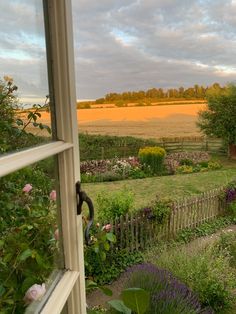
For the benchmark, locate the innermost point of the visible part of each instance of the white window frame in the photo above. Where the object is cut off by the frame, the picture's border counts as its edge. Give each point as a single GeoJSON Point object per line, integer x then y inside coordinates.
{"type": "Point", "coordinates": [70, 288]}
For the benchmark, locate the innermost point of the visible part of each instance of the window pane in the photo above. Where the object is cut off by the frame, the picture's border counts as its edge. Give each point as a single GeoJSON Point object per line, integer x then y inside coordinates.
{"type": "Point", "coordinates": [30, 250]}
{"type": "Point", "coordinates": [24, 93]}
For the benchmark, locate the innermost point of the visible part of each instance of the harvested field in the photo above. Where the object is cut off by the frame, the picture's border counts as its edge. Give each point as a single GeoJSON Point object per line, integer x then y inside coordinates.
{"type": "Point", "coordinates": [147, 122]}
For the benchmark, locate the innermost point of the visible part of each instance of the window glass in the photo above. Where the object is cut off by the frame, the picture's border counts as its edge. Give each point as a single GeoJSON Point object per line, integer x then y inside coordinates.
{"type": "Point", "coordinates": [24, 94]}
{"type": "Point", "coordinates": [30, 248]}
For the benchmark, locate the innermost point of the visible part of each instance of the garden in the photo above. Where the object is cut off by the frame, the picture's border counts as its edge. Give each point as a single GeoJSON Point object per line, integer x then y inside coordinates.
{"type": "Point", "coordinates": [148, 208]}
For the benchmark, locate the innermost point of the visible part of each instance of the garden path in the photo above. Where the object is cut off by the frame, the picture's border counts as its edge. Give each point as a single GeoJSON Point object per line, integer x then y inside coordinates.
{"type": "Point", "coordinates": [98, 298]}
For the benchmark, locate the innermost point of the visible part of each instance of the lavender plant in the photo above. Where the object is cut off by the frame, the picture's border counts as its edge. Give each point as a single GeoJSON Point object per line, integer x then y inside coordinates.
{"type": "Point", "coordinates": [168, 294]}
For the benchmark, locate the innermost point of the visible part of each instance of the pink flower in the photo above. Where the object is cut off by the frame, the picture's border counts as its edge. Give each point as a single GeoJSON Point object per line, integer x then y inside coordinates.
{"type": "Point", "coordinates": [34, 293]}
{"type": "Point", "coordinates": [27, 188]}
{"type": "Point", "coordinates": [107, 227]}
{"type": "Point", "coordinates": [53, 195]}
{"type": "Point", "coordinates": [56, 235]}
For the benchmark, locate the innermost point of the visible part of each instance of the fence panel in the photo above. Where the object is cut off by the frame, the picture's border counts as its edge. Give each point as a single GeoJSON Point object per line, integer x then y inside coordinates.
{"type": "Point", "coordinates": [136, 232]}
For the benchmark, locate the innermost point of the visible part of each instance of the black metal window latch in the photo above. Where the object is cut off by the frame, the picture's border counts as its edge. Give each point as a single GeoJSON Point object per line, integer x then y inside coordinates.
{"type": "Point", "coordinates": [83, 197]}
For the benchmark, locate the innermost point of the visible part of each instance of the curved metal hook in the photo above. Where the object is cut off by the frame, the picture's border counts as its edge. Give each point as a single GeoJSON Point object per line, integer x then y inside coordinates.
{"type": "Point", "coordinates": [83, 197]}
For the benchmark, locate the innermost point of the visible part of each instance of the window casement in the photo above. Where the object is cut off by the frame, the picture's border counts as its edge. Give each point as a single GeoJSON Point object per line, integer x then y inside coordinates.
{"type": "Point", "coordinates": [68, 288]}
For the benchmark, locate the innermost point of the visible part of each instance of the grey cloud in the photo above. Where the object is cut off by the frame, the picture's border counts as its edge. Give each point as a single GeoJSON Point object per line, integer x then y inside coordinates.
{"type": "Point", "coordinates": [125, 44]}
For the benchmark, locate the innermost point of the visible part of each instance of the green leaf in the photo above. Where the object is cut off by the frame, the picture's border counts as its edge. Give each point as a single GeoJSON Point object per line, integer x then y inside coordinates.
{"type": "Point", "coordinates": [2, 290]}
{"type": "Point", "coordinates": [1, 243]}
{"type": "Point", "coordinates": [19, 122]}
{"type": "Point", "coordinates": [136, 299]}
{"type": "Point", "coordinates": [90, 284]}
{"type": "Point", "coordinates": [119, 306]}
{"type": "Point", "coordinates": [106, 246]}
{"type": "Point", "coordinates": [106, 290]}
{"type": "Point", "coordinates": [103, 256]}
{"type": "Point", "coordinates": [25, 254]}
{"type": "Point", "coordinates": [111, 237]}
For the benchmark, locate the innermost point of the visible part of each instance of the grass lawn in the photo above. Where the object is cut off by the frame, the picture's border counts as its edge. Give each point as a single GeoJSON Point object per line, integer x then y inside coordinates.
{"type": "Point", "coordinates": [174, 187]}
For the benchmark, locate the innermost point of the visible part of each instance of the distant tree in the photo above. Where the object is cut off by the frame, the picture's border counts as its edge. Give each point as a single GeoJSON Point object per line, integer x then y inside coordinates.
{"type": "Point", "coordinates": [220, 116]}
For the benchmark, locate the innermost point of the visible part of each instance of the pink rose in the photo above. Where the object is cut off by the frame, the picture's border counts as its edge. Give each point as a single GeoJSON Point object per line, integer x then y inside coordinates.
{"type": "Point", "coordinates": [107, 227]}
{"type": "Point", "coordinates": [53, 195]}
{"type": "Point", "coordinates": [34, 293]}
{"type": "Point", "coordinates": [56, 235]}
{"type": "Point", "coordinates": [27, 188]}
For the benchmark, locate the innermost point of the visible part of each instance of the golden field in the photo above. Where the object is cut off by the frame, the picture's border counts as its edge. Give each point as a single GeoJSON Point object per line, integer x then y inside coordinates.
{"type": "Point", "coordinates": [147, 122]}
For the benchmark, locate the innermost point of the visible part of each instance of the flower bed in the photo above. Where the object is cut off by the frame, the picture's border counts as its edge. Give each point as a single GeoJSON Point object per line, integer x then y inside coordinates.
{"type": "Point", "coordinates": [134, 168]}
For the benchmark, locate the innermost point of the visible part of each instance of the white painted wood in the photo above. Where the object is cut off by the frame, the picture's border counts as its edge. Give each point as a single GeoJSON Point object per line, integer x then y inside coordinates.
{"type": "Point", "coordinates": [19, 160]}
{"type": "Point", "coordinates": [60, 294]}
{"type": "Point", "coordinates": [62, 81]}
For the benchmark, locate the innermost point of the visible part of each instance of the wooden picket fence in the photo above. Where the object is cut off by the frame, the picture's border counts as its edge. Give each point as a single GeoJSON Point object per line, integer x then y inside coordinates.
{"type": "Point", "coordinates": [135, 232]}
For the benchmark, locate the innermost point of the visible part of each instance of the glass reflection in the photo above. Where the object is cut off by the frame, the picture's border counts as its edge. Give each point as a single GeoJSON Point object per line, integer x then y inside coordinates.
{"type": "Point", "coordinates": [24, 102]}
{"type": "Point", "coordinates": [30, 253]}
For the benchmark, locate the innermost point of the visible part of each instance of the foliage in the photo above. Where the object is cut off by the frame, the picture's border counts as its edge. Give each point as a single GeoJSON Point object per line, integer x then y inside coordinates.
{"type": "Point", "coordinates": [167, 294]}
{"type": "Point", "coordinates": [27, 245]}
{"type": "Point", "coordinates": [12, 127]}
{"type": "Point", "coordinates": [206, 273]}
{"type": "Point", "coordinates": [133, 300]}
{"type": "Point", "coordinates": [96, 147]}
{"type": "Point", "coordinates": [152, 156]}
{"type": "Point", "coordinates": [229, 196]}
{"type": "Point", "coordinates": [185, 159]}
{"type": "Point", "coordinates": [186, 162]}
{"type": "Point", "coordinates": [159, 211]}
{"type": "Point", "coordinates": [96, 252]}
{"type": "Point", "coordinates": [206, 228]}
{"type": "Point", "coordinates": [112, 205]}
{"type": "Point", "coordinates": [184, 169]}
{"type": "Point", "coordinates": [199, 167]}
{"type": "Point", "coordinates": [226, 245]}
{"type": "Point", "coordinates": [219, 118]}
{"type": "Point", "coordinates": [152, 95]}
{"type": "Point", "coordinates": [116, 262]}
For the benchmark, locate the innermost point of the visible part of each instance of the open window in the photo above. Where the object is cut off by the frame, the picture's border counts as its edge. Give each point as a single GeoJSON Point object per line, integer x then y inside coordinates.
{"type": "Point", "coordinates": [65, 289]}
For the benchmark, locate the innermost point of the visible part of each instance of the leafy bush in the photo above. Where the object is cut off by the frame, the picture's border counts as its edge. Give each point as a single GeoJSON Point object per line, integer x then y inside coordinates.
{"type": "Point", "coordinates": [207, 274]}
{"type": "Point", "coordinates": [167, 294]}
{"type": "Point", "coordinates": [184, 169]}
{"type": "Point", "coordinates": [108, 270]}
{"type": "Point", "coordinates": [94, 147]}
{"type": "Point", "coordinates": [186, 162]}
{"type": "Point", "coordinates": [226, 245]}
{"type": "Point", "coordinates": [153, 157]}
{"type": "Point", "coordinates": [114, 204]}
{"type": "Point", "coordinates": [214, 165]}
{"type": "Point", "coordinates": [27, 225]}
{"type": "Point", "coordinates": [159, 211]}
{"type": "Point", "coordinates": [12, 126]}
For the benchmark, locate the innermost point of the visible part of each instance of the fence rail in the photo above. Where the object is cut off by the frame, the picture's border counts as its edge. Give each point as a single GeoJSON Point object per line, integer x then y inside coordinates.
{"type": "Point", "coordinates": [136, 232]}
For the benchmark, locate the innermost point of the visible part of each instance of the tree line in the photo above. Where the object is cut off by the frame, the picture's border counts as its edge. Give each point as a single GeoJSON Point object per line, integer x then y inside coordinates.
{"type": "Point", "coordinates": [195, 92]}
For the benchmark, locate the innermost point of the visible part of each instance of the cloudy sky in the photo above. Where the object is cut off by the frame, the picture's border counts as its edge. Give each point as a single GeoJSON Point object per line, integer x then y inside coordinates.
{"type": "Point", "coordinates": [123, 45]}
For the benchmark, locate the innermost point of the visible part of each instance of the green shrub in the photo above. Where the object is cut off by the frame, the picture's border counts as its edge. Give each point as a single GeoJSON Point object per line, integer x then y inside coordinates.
{"type": "Point", "coordinates": [153, 156]}
{"type": "Point", "coordinates": [186, 162]}
{"type": "Point", "coordinates": [112, 205]}
{"type": "Point", "coordinates": [168, 294]}
{"type": "Point", "coordinates": [161, 211]}
{"type": "Point", "coordinates": [207, 274]}
{"type": "Point", "coordinates": [27, 245]}
{"type": "Point", "coordinates": [184, 169]}
{"type": "Point", "coordinates": [214, 165]}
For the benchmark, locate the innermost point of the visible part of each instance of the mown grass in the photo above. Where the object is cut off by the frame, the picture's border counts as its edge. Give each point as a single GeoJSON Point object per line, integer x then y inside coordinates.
{"type": "Point", "coordinates": [174, 187]}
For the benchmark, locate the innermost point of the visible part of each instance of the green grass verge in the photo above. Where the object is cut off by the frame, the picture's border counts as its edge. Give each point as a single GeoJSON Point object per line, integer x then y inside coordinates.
{"type": "Point", "coordinates": [174, 187]}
